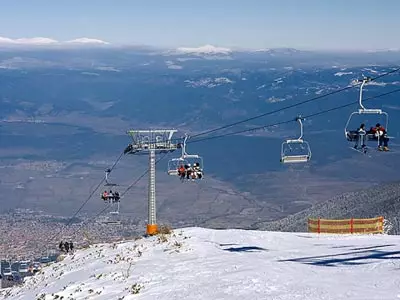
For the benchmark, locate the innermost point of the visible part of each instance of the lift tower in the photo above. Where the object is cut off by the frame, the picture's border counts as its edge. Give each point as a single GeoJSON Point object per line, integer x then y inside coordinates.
{"type": "Point", "coordinates": [152, 142]}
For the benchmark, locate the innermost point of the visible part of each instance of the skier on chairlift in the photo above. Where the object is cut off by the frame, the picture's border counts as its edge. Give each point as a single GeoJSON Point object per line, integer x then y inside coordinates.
{"type": "Point", "coordinates": [381, 134]}
{"type": "Point", "coordinates": [361, 137]}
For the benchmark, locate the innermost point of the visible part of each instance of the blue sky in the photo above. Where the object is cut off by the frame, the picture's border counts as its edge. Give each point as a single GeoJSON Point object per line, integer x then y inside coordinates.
{"type": "Point", "coordinates": [303, 24]}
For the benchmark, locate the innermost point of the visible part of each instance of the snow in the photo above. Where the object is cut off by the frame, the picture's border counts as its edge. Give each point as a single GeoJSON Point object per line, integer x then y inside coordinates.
{"type": "Point", "coordinates": [207, 49]}
{"type": "Point", "coordinates": [274, 99]}
{"type": "Point", "coordinates": [110, 69]}
{"type": "Point", "coordinates": [198, 263]}
{"type": "Point", "coordinates": [208, 82]}
{"type": "Point", "coordinates": [171, 65]}
{"type": "Point", "coordinates": [262, 50]}
{"type": "Point", "coordinates": [343, 73]}
{"type": "Point", "coordinates": [384, 50]}
{"type": "Point", "coordinates": [378, 83]}
{"type": "Point", "coordinates": [370, 70]}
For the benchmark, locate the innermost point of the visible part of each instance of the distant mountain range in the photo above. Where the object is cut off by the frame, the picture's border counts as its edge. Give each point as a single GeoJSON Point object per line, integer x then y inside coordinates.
{"type": "Point", "coordinates": [200, 51]}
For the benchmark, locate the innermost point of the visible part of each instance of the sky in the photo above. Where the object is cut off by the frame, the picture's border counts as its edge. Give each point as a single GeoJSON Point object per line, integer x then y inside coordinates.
{"type": "Point", "coordinates": [253, 24]}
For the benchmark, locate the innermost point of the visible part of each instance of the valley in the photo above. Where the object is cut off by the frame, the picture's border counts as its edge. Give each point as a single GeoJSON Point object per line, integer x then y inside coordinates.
{"type": "Point", "coordinates": [64, 123]}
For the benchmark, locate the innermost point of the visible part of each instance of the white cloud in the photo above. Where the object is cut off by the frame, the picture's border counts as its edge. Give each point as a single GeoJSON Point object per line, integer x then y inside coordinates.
{"type": "Point", "coordinates": [28, 41]}
{"type": "Point", "coordinates": [36, 41]}
{"type": "Point", "coordinates": [6, 40]}
{"type": "Point", "coordinates": [43, 41]}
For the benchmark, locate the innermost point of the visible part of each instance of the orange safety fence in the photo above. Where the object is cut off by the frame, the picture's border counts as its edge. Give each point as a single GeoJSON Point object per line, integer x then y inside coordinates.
{"type": "Point", "coordinates": [372, 225]}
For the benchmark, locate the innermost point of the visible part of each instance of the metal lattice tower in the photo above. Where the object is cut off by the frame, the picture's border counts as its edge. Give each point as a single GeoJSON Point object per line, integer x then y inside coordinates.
{"type": "Point", "coordinates": [152, 142]}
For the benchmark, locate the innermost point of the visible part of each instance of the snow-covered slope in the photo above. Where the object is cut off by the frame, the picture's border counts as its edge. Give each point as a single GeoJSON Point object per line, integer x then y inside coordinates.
{"type": "Point", "coordinates": [197, 263]}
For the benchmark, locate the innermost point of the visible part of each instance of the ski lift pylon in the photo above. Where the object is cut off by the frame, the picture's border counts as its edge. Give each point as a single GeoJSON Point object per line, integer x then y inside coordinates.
{"type": "Point", "coordinates": [305, 150]}
{"type": "Point", "coordinates": [351, 135]}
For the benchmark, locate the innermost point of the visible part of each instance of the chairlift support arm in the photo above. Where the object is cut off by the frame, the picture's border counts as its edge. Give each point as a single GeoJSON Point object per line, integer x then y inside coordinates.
{"type": "Point", "coordinates": [184, 145]}
{"type": "Point", "coordinates": [299, 119]}
{"type": "Point", "coordinates": [364, 81]}
{"type": "Point", "coordinates": [362, 109]}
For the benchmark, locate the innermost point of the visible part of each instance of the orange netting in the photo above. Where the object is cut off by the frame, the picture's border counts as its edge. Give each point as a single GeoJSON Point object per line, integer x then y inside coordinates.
{"type": "Point", "coordinates": [372, 225]}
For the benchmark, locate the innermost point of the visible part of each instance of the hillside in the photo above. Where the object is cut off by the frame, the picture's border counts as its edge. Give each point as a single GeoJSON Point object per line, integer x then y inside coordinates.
{"type": "Point", "coordinates": [379, 200]}
{"type": "Point", "coordinates": [197, 263]}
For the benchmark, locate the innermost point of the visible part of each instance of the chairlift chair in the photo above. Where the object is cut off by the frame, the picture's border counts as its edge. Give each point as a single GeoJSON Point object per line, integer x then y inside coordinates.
{"type": "Point", "coordinates": [351, 135]}
{"type": "Point", "coordinates": [113, 220]}
{"type": "Point", "coordinates": [112, 203]}
{"type": "Point", "coordinates": [184, 159]}
{"type": "Point", "coordinates": [305, 150]}
{"type": "Point", "coordinates": [115, 206]}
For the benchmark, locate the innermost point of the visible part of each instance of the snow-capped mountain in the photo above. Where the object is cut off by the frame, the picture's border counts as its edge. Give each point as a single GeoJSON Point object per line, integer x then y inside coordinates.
{"type": "Point", "coordinates": [87, 41]}
{"type": "Point", "coordinates": [208, 82]}
{"type": "Point", "coordinates": [206, 49]}
{"type": "Point", "coordinates": [197, 263]}
{"type": "Point", "coordinates": [276, 51]}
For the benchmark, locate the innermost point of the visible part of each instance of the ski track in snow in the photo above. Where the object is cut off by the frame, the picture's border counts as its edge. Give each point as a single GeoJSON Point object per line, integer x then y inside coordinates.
{"type": "Point", "coordinates": [198, 263]}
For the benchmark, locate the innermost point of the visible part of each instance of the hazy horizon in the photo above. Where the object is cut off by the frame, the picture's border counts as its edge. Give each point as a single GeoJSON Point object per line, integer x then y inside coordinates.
{"type": "Point", "coordinates": [307, 25]}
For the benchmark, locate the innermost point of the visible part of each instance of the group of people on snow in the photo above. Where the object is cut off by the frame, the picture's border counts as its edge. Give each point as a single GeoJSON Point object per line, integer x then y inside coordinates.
{"type": "Point", "coordinates": [110, 196]}
{"type": "Point", "coordinates": [190, 172]}
{"type": "Point", "coordinates": [378, 133]}
{"type": "Point", "coordinates": [66, 247]}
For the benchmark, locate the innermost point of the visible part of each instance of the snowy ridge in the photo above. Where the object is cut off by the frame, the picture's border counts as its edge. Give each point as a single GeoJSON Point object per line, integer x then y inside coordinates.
{"type": "Point", "coordinates": [207, 49]}
{"type": "Point", "coordinates": [171, 65]}
{"type": "Point", "coordinates": [87, 41]}
{"type": "Point", "coordinates": [198, 263]}
{"type": "Point", "coordinates": [343, 73]}
{"type": "Point", "coordinates": [208, 82]}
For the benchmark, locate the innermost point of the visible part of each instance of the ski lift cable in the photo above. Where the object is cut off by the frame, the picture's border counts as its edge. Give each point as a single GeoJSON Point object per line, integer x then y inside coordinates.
{"type": "Point", "coordinates": [242, 131]}
{"type": "Point", "coordinates": [357, 83]}
{"type": "Point", "coordinates": [296, 104]}
{"type": "Point", "coordinates": [122, 194]}
{"type": "Point", "coordinates": [141, 176]}
{"type": "Point", "coordinates": [254, 129]}
{"type": "Point", "coordinates": [85, 202]}
{"type": "Point", "coordinates": [224, 135]}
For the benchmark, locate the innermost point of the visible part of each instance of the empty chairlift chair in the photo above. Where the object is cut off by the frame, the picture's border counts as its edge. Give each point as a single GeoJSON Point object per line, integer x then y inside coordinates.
{"type": "Point", "coordinates": [296, 150]}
